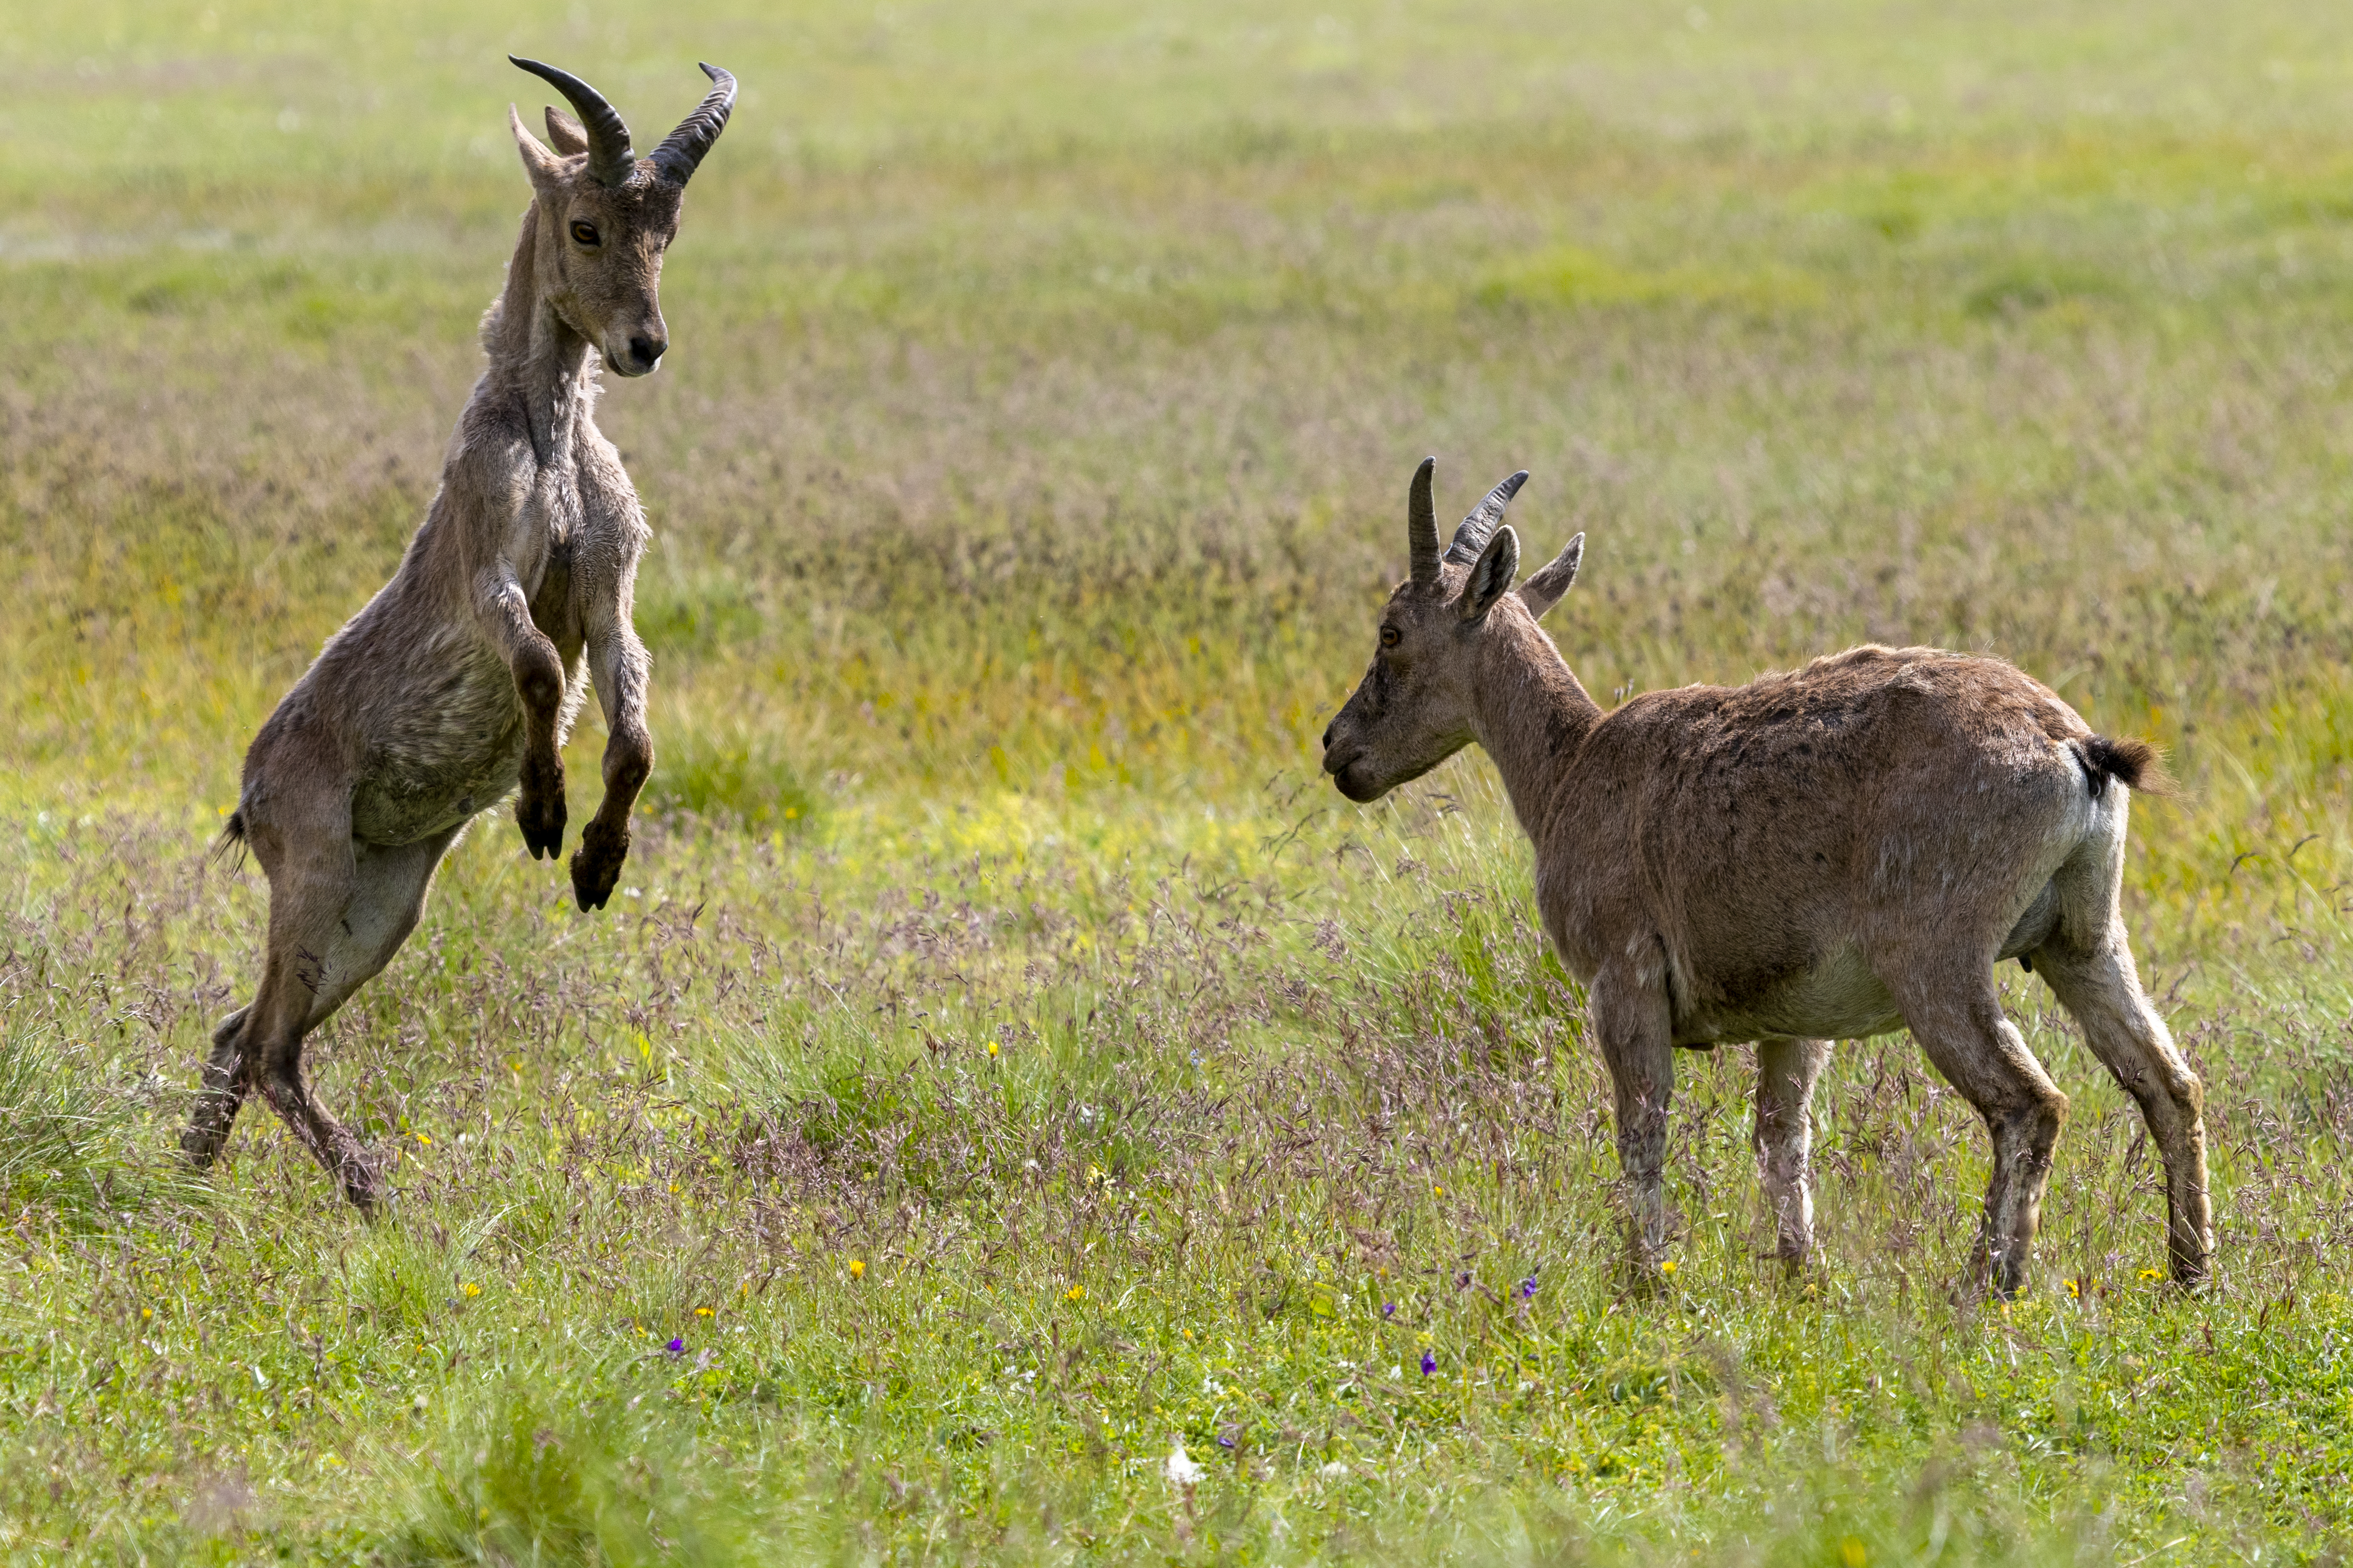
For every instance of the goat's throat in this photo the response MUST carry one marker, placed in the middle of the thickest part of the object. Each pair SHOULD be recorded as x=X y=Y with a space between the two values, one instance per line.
x=553 y=381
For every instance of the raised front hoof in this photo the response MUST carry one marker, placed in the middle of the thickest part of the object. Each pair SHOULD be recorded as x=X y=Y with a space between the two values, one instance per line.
x=541 y=817
x=596 y=866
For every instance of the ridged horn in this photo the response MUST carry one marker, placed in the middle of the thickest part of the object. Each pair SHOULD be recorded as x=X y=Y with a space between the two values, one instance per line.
x=1422 y=525
x=681 y=150
x=1479 y=526
x=610 y=161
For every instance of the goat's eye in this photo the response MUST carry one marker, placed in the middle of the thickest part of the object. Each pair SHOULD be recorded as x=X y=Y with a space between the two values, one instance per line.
x=584 y=233
x=1389 y=637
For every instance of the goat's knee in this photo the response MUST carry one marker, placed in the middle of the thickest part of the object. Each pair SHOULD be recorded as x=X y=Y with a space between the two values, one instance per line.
x=628 y=761
x=539 y=678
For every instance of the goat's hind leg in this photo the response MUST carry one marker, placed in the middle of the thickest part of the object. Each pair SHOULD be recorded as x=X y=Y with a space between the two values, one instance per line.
x=219 y=1094
x=331 y=931
x=1786 y=1071
x=1955 y=1015
x=2102 y=989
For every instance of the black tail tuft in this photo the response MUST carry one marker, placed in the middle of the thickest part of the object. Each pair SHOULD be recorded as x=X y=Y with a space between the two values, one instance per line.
x=231 y=841
x=2135 y=762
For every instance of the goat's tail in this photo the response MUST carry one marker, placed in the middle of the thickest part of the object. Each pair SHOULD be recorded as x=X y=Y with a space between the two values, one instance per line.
x=2139 y=764
x=230 y=845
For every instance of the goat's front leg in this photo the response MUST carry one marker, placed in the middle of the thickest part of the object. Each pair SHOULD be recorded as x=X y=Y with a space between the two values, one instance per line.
x=622 y=668
x=1786 y=1071
x=538 y=671
x=1630 y=1020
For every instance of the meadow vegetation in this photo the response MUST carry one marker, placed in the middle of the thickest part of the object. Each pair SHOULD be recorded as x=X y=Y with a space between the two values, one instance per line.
x=1007 y=1059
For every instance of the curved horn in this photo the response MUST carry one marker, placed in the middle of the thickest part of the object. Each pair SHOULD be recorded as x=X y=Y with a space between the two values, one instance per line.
x=1479 y=526
x=681 y=150
x=1422 y=525
x=610 y=158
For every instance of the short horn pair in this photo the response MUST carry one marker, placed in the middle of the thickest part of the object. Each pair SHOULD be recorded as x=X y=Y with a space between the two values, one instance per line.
x=610 y=160
x=1470 y=537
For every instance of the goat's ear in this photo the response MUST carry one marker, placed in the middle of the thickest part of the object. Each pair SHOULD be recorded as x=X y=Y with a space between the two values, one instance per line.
x=1543 y=591
x=1490 y=574
x=546 y=169
x=565 y=135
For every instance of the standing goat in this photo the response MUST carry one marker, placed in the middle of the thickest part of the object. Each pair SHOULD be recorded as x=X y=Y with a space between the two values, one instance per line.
x=1825 y=854
x=461 y=677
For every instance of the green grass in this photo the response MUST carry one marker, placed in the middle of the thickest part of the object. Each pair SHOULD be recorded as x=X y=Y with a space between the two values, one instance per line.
x=1006 y=1060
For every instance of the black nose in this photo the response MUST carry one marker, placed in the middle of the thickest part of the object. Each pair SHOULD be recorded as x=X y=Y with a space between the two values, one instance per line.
x=1328 y=734
x=647 y=352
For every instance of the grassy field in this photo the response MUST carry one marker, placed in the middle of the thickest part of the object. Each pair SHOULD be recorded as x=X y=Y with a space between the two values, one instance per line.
x=1007 y=1059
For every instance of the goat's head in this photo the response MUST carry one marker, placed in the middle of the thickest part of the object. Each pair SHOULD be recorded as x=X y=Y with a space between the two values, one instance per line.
x=606 y=214
x=1413 y=709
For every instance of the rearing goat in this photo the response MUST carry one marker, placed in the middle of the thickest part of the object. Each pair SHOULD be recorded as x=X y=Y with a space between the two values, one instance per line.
x=461 y=677
x=1829 y=853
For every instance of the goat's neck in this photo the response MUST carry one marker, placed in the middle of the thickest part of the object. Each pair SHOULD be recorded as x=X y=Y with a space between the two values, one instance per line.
x=1530 y=713
x=535 y=358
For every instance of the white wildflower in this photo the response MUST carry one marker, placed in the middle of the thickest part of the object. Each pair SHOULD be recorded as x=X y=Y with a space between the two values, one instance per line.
x=1181 y=1470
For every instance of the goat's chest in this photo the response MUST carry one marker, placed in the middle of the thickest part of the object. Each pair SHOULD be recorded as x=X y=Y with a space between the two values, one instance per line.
x=571 y=541
x=547 y=533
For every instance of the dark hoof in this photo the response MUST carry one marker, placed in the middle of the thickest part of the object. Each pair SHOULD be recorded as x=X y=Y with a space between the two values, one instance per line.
x=598 y=866
x=363 y=1185
x=539 y=811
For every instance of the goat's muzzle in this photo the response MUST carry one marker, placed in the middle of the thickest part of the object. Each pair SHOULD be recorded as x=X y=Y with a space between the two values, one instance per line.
x=1337 y=764
x=644 y=354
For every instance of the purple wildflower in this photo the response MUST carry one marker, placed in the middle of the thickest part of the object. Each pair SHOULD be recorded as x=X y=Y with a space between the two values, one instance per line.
x=1428 y=1362
x=675 y=1349
x=1527 y=1287
x=1463 y=1281
x=1388 y=1308
x=1225 y=1439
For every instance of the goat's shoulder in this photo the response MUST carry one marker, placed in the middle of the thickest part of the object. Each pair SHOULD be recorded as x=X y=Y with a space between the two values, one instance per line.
x=491 y=460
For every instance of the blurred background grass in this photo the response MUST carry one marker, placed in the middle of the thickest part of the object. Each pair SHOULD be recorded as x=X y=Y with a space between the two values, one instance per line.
x=1025 y=475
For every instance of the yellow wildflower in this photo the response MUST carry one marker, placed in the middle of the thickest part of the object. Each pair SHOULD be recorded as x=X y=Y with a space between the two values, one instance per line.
x=704 y=1312
x=857 y=1268
x=471 y=1289
x=1667 y=1268
x=1075 y=1293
